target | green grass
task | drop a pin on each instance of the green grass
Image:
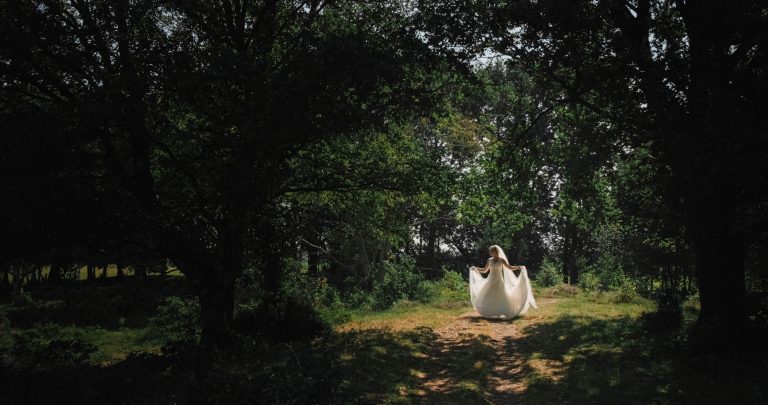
(393, 356)
(406, 315)
(576, 348)
(573, 349)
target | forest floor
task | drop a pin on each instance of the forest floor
(572, 349)
(575, 348)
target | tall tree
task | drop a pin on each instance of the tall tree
(196, 108)
(687, 77)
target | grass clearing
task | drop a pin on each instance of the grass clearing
(575, 348)
(407, 315)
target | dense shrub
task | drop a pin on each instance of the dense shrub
(177, 319)
(757, 308)
(22, 299)
(284, 318)
(5, 330)
(607, 274)
(335, 312)
(451, 287)
(28, 313)
(627, 292)
(43, 349)
(549, 274)
(668, 316)
(311, 289)
(400, 281)
(292, 312)
(589, 281)
(359, 298)
(561, 290)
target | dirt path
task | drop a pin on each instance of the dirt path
(470, 331)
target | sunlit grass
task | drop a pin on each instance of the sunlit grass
(577, 348)
(406, 315)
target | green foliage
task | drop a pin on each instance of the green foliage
(28, 312)
(607, 273)
(293, 313)
(44, 349)
(400, 281)
(335, 312)
(177, 319)
(451, 287)
(22, 299)
(311, 290)
(282, 318)
(549, 275)
(561, 290)
(589, 281)
(626, 293)
(668, 316)
(359, 298)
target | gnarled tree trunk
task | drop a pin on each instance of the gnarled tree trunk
(720, 266)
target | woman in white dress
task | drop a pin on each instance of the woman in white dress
(502, 294)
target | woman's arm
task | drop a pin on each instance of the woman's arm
(486, 268)
(506, 265)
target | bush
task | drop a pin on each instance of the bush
(589, 281)
(289, 314)
(359, 299)
(451, 287)
(28, 313)
(549, 275)
(562, 290)
(312, 290)
(607, 274)
(335, 312)
(42, 349)
(626, 293)
(668, 316)
(400, 282)
(22, 299)
(283, 318)
(177, 319)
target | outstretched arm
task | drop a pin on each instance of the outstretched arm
(486, 268)
(507, 266)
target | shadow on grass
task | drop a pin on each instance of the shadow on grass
(576, 359)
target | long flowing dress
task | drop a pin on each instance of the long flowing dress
(502, 294)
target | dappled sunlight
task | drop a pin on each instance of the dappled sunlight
(569, 350)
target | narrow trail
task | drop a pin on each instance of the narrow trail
(470, 331)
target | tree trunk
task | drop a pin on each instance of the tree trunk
(217, 301)
(54, 275)
(365, 264)
(91, 272)
(120, 272)
(566, 258)
(720, 265)
(313, 261)
(431, 249)
(4, 281)
(17, 278)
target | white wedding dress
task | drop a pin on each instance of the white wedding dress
(502, 293)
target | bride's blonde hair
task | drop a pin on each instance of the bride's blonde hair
(500, 251)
